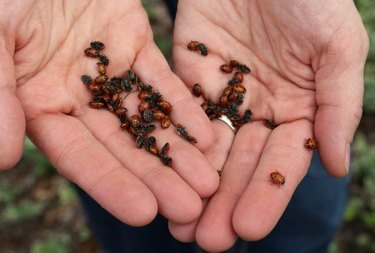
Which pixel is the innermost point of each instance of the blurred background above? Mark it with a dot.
(40, 212)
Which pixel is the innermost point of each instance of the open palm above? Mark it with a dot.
(87, 145)
(306, 60)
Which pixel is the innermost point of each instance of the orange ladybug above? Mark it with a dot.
(311, 143)
(277, 178)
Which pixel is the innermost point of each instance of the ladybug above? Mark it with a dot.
(198, 46)
(277, 178)
(311, 143)
(97, 45)
(202, 49)
(96, 105)
(226, 68)
(269, 123)
(193, 45)
(197, 90)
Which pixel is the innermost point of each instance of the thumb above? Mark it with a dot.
(12, 120)
(339, 91)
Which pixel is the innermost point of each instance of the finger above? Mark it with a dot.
(339, 87)
(12, 127)
(215, 232)
(217, 155)
(78, 156)
(176, 199)
(184, 232)
(263, 202)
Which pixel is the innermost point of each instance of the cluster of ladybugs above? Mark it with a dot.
(231, 98)
(110, 94)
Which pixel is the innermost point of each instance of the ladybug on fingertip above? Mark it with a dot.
(277, 178)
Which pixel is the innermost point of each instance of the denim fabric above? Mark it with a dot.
(116, 237)
(172, 8)
(307, 226)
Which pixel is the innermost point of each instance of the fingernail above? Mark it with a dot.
(347, 159)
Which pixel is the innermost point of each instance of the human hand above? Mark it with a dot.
(43, 45)
(307, 60)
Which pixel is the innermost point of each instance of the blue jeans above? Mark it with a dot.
(307, 226)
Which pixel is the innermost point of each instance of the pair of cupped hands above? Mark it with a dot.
(307, 60)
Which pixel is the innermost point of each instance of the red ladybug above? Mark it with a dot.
(311, 143)
(277, 178)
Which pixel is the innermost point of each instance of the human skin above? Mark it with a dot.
(307, 60)
(41, 44)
